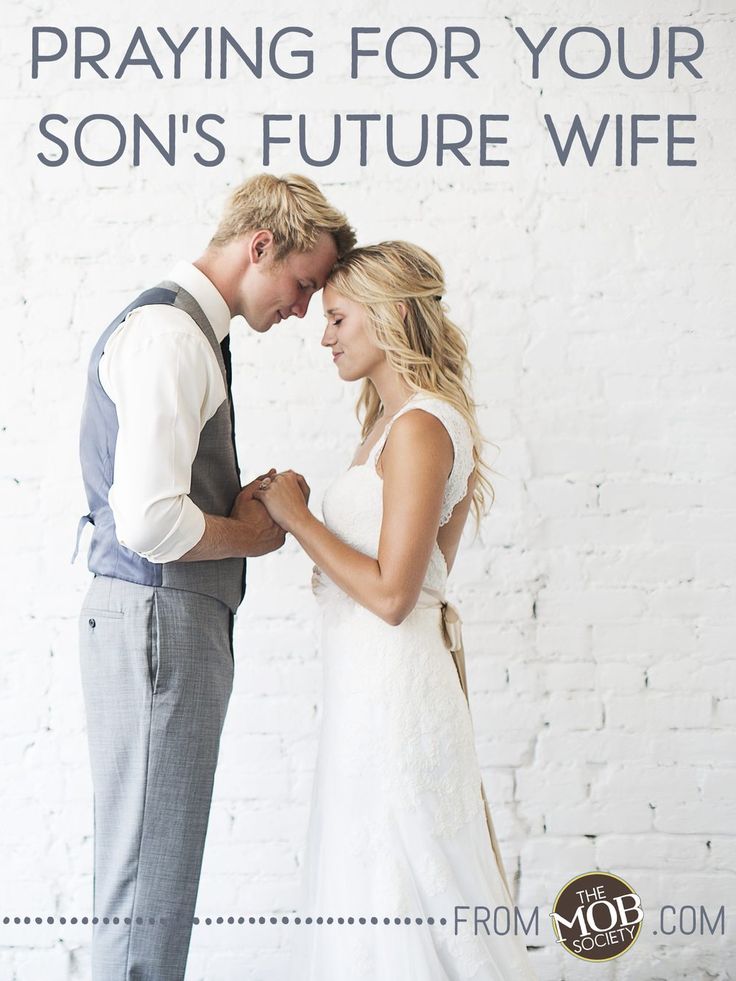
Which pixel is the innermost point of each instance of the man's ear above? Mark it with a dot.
(261, 245)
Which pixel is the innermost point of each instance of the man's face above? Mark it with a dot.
(272, 291)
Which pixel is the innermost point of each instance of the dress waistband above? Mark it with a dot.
(452, 628)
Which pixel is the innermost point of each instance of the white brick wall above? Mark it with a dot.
(599, 305)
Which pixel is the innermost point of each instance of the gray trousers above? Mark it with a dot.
(157, 674)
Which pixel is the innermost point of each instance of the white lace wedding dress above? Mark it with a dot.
(397, 826)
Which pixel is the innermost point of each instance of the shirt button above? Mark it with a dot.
(92, 622)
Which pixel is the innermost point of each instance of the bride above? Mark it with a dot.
(399, 833)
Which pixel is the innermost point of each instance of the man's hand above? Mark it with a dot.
(259, 534)
(253, 485)
(247, 532)
(285, 495)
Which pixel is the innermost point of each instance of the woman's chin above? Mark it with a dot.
(347, 375)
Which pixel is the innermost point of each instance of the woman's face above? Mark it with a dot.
(347, 335)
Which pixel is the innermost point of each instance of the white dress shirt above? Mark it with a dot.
(163, 376)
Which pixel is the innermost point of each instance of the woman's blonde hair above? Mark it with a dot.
(426, 348)
(292, 207)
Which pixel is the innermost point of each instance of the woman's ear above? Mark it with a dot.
(402, 310)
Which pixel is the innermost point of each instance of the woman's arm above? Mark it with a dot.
(416, 461)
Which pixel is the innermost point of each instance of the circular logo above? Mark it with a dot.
(596, 916)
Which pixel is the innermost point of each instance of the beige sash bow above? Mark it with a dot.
(453, 637)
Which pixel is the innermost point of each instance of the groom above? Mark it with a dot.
(172, 528)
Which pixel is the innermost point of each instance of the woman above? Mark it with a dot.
(398, 829)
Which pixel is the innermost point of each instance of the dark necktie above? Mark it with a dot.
(225, 348)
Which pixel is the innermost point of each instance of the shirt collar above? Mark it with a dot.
(206, 294)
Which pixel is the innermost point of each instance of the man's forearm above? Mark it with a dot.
(222, 539)
(246, 533)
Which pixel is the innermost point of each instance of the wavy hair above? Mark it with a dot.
(426, 348)
(292, 207)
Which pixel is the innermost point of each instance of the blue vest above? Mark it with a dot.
(215, 472)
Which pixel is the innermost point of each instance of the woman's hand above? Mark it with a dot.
(285, 496)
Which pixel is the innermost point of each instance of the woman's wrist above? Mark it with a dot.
(301, 524)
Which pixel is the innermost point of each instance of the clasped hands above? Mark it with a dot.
(272, 505)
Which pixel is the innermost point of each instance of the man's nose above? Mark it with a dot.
(299, 309)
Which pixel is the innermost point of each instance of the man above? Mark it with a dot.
(172, 530)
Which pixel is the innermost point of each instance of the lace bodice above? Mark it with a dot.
(353, 504)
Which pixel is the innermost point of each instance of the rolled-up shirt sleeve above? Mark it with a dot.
(166, 383)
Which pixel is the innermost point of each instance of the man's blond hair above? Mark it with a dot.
(292, 207)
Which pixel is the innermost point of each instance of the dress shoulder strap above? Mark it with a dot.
(462, 443)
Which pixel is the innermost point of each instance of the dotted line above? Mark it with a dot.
(208, 920)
